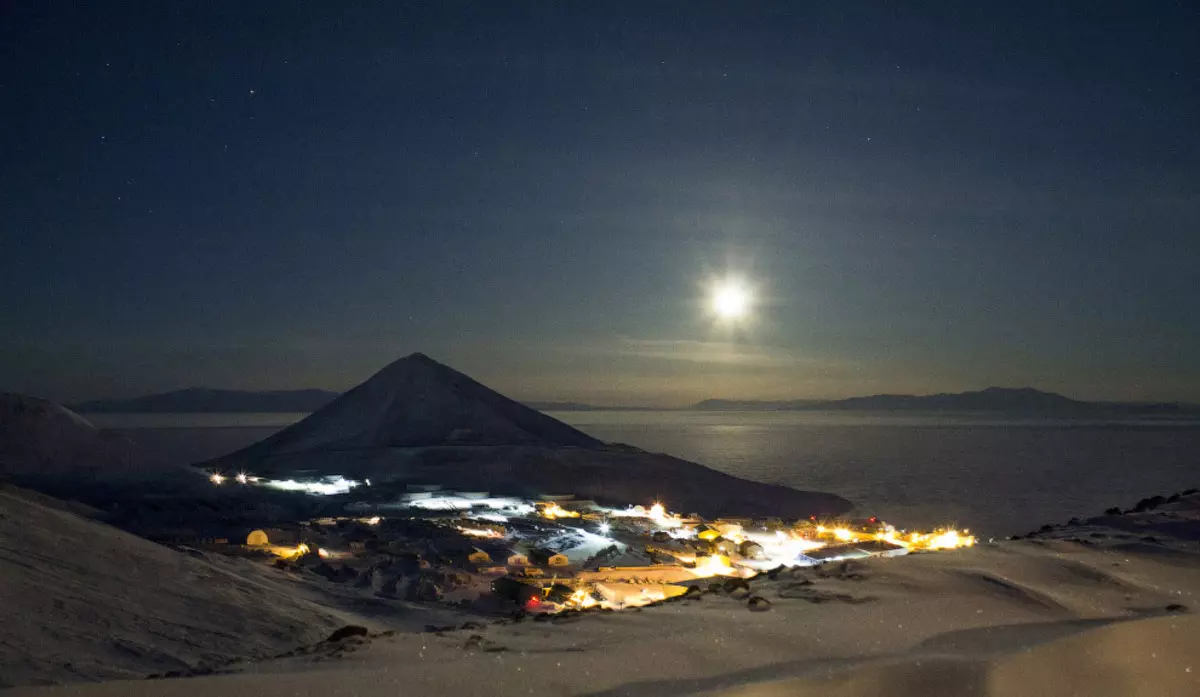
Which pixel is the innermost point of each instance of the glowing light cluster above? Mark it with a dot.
(714, 565)
(481, 532)
(241, 478)
(656, 513)
(581, 600)
(552, 510)
(939, 539)
(789, 547)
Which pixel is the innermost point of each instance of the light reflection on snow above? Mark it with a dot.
(326, 486)
(452, 502)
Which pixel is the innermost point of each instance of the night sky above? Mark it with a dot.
(292, 194)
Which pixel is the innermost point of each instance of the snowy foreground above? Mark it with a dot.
(1102, 607)
(80, 600)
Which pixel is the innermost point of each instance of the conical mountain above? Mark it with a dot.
(420, 422)
(418, 402)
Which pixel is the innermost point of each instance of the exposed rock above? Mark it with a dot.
(423, 589)
(734, 584)
(348, 631)
(1149, 504)
(758, 603)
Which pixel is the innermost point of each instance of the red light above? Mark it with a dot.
(812, 517)
(533, 602)
(873, 519)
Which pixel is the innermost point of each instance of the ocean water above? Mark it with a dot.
(994, 475)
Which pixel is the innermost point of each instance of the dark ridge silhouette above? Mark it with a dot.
(40, 437)
(997, 399)
(990, 399)
(204, 400)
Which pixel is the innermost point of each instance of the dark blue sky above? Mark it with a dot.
(292, 194)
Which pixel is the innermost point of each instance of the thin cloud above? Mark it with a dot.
(711, 352)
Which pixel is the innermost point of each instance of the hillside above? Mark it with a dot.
(420, 421)
(82, 600)
(40, 437)
(203, 400)
(1092, 608)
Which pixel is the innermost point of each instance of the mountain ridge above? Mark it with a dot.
(1003, 399)
(216, 400)
(38, 436)
(210, 400)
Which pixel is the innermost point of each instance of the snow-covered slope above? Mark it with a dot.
(1064, 615)
(82, 600)
(40, 437)
(416, 401)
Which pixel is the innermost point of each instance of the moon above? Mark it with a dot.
(731, 300)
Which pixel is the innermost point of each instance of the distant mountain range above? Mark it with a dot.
(996, 399)
(204, 400)
(199, 399)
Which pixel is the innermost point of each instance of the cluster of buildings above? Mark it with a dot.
(559, 552)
